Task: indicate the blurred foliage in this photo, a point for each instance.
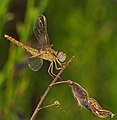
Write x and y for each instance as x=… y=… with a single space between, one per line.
x=83 y=28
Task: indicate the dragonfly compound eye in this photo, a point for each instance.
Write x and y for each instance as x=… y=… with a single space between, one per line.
x=61 y=56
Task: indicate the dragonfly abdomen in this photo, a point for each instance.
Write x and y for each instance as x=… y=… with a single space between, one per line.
x=29 y=49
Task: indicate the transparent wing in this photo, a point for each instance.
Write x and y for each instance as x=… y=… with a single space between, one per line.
x=40 y=31
x=35 y=63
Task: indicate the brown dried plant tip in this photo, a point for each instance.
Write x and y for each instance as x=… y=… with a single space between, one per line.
x=57 y=103
x=90 y=103
x=98 y=110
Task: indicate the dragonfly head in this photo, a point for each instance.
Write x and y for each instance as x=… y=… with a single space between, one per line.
x=61 y=56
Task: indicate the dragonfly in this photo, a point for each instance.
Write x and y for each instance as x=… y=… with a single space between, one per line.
x=44 y=50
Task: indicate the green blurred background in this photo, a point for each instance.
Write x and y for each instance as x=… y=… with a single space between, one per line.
x=86 y=29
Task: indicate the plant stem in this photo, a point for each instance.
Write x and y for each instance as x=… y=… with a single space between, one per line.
x=33 y=117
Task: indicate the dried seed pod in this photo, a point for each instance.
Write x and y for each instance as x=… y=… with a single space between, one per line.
x=98 y=110
x=90 y=103
x=80 y=94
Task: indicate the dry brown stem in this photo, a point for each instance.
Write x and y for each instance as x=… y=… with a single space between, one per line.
x=33 y=117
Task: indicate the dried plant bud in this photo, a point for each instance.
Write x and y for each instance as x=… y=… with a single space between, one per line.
x=98 y=110
x=80 y=94
x=83 y=99
x=57 y=103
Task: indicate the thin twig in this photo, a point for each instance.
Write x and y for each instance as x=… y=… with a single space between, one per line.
x=33 y=117
x=56 y=103
x=69 y=82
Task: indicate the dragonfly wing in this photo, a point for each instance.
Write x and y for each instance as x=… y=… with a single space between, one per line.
x=35 y=63
x=40 y=31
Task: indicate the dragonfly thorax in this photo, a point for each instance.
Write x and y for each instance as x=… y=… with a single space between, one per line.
x=61 y=56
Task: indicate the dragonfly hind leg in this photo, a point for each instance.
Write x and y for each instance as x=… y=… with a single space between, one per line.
x=50 y=71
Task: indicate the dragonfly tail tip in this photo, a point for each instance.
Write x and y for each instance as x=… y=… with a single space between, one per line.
x=5 y=35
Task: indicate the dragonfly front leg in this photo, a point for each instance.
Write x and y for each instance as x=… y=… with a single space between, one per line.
x=57 y=68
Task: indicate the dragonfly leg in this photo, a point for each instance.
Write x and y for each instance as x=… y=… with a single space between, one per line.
x=50 y=67
x=61 y=64
x=34 y=56
x=57 y=68
x=50 y=71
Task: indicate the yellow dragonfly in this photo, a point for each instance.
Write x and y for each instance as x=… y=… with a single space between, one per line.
x=44 y=50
